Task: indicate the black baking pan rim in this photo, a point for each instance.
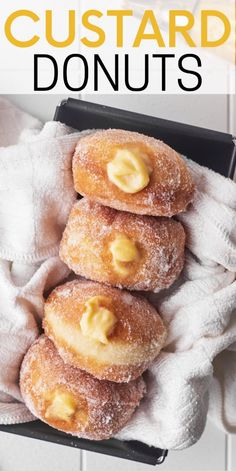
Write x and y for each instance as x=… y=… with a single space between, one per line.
x=130 y=450
x=110 y=112
x=213 y=149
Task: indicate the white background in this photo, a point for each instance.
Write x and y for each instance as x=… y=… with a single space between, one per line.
x=215 y=450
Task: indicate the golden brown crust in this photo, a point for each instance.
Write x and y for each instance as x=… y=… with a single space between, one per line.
x=105 y=407
x=137 y=339
x=169 y=191
x=90 y=231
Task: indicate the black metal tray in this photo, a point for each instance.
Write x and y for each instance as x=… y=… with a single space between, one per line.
x=210 y=148
x=132 y=450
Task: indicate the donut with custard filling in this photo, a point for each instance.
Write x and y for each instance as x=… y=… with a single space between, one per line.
x=121 y=249
x=70 y=399
x=132 y=172
x=107 y=332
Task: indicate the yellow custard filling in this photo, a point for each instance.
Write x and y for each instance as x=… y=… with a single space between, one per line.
x=98 y=322
x=123 y=251
x=129 y=170
x=62 y=406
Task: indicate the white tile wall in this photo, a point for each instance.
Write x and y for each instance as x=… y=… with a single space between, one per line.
x=215 y=450
x=23 y=454
x=232 y=453
x=41 y=107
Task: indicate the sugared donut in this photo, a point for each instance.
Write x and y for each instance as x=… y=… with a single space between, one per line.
x=108 y=332
x=71 y=400
x=132 y=172
x=121 y=249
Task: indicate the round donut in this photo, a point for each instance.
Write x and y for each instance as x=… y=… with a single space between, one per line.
x=132 y=172
x=121 y=249
x=105 y=331
x=70 y=399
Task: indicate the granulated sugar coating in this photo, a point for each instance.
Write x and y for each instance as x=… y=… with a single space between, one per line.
x=91 y=230
x=101 y=408
x=137 y=339
x=170 y=188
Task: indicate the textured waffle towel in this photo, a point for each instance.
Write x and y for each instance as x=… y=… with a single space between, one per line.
x=36 y=195
x=196 y=371
x=192 y=373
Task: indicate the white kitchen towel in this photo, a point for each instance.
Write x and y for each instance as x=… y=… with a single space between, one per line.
x=36 y=188
x=13 y=121
x=195 y=369
x=36 y=194
x=223 y=391
x=21 y=310
x=199 y=309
